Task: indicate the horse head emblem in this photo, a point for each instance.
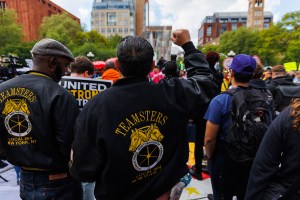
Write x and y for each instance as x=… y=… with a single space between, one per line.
x=154 y=133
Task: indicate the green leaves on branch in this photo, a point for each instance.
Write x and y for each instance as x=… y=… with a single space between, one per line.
x=10 y=30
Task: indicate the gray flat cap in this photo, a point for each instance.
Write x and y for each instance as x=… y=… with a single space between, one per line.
x=50 y=47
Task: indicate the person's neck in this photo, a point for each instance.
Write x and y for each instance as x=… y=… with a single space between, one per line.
x=238 y=84
x=73 y=74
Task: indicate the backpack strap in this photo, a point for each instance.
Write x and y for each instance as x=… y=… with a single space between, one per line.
x=231 y=91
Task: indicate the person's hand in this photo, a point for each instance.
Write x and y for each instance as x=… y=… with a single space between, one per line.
x=180 y=37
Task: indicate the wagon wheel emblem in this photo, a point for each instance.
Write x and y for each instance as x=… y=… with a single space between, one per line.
x=18 y=124
x=147 y=155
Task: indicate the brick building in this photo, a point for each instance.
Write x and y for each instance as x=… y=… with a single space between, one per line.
x=213 y=26
x=31 y=13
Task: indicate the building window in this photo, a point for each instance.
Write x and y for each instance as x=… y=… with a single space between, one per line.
x=258 y=3
x=125 y=30
x=49 y=13
x=266 y=25
x=49 y=5
x=43 y=1
x=120 y=15
x=209 y=20
x=257 y=22
x=120 y=30
x=233 y=26
x=2 y=5
x=258 y=13
x=111 y=19
x=103 y=31
x=109 y=30
x=114 y=30
x=96 y=14
x=222 y=21
x=234 y=20
x=208 y=31
x=223 y=28
x=102 y=14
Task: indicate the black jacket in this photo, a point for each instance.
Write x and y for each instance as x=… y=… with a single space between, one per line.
x=283 y=80
x=279 y=146
x=132 y=137
x=280 y=102
x=37 y=120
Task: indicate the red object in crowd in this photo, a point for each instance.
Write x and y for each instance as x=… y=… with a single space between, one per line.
x=99 y=64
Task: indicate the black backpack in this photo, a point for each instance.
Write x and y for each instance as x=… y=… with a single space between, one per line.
x=284 y=94
x=250 y=119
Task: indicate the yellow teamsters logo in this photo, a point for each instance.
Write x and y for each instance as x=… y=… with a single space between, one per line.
x=16 y=121
x=145 y=143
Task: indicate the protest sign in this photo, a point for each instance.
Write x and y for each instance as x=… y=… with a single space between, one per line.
x=83 y=89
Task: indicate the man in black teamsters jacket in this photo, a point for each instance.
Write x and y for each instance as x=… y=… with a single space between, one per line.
x=37 y=119
x=131 y=139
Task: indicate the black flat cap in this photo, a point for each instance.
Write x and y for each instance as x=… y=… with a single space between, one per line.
x=50 y=47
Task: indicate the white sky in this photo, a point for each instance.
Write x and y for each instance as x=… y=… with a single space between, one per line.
x=184 y=13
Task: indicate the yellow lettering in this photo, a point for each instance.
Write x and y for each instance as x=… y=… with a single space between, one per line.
x=122 y=125
x=158 y=118
x=142 y=116
x=153 y=113
x=73 y=92
x=118 y=131
x=164 y=120
x=80 y=94
x=135 y=118
x=94 y=92
x=129 y=123
x=88 y=94
x=13 y=91
x=147 y=114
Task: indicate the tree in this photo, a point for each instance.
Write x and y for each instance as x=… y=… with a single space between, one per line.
x=60 y=27
x=291 y=20
x=209 y=47
x=271 y=45
x=101 y=53
x=10 y=31
x=243 y=40
x=114 y=41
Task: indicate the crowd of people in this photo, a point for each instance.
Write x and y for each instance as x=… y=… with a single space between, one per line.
x=130 y=141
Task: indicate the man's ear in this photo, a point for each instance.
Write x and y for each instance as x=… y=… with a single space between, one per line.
x=86 y=74
x=52 y=62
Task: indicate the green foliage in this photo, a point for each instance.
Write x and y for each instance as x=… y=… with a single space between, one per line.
x=209 y=47
x=243 y=40
x=10 y=31
x=114 y=41
x=60 y=27
x=291 y=20
x=21 y=49
x=100 y=53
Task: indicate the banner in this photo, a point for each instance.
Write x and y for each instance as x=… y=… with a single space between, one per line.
x=291 y=66
x=83 y=89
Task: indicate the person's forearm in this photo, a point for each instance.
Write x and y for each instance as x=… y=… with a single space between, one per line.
x=210 y=148
x=189 y=48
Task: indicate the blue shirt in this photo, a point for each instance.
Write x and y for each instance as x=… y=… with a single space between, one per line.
x=218 y=113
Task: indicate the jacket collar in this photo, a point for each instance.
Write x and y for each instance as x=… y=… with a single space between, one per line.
x=130 y=80
x=37 y=73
